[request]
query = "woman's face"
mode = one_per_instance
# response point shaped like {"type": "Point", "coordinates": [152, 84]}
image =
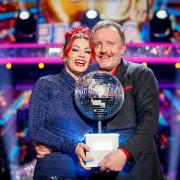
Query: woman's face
{"type": "Point", "coordinates": [78, 58]}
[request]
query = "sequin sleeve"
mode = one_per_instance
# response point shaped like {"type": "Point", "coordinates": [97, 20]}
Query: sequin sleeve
{"type": "Point", "coordinates": [38, 108]}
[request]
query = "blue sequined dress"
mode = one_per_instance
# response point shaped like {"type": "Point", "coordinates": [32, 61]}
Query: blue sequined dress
{"type": "Point", "coordinates": [54, 121]}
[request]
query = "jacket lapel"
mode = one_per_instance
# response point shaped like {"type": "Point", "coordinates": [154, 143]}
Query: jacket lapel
{"type": "Point", "coordinates": [121, 71]}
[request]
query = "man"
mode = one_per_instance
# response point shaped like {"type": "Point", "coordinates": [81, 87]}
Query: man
{"type": "Point", "coordinates": [137, 119]}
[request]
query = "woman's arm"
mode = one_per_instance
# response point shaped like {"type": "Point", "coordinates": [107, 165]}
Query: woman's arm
{"type": "Point", "coordinates": [38, 109]}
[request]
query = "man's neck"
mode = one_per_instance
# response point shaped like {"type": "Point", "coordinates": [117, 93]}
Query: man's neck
{"type": "Point", "coordinates": [113, 70]}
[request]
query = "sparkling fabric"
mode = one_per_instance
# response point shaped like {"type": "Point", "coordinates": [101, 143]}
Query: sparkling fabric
{"type": "Point", "coordinates": [55, 122]}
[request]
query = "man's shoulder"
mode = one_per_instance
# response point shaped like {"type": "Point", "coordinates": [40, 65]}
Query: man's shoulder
{"type": "Point", "coordinates": [140, 72]}
{"type": "Point", "coordinates": [136, 68]}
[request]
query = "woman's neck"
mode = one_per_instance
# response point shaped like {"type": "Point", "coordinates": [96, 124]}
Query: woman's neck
{"type": "Point", "coordinates": [76, 76]}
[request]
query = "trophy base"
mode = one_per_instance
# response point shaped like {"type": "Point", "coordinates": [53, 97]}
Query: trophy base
{"type": "Point", "coordinates": [100, 145]}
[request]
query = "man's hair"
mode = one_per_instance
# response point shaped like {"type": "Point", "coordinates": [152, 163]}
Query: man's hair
{"type": "Point", "coordinates": [106, 24]}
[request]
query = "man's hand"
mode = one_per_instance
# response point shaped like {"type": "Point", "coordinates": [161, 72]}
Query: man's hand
{"type": "Point", "coordinates": [42, 150]}
{"type": "Point", "coordinates": [80, 151]}
{"type": "Point", "coordinates": [114, 161]}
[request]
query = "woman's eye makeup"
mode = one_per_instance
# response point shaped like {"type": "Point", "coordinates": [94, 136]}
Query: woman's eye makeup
{"type": "Point", "coordinates": [75, 49]}
{"type": "Point", "coordinates": [88, 52]}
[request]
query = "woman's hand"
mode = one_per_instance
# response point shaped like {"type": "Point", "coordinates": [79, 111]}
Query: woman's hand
{"type": "Point", "coordinates": [80, 151]}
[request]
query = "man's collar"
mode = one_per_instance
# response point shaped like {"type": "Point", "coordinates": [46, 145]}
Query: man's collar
{"type": "Point", "coordinates": [121, 70]}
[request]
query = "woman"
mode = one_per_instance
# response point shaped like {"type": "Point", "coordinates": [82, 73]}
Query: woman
{"type": "Point", "coordinates": [54, 119]}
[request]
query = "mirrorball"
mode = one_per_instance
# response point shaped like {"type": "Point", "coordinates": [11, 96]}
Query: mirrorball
{"type": "Point", "coordinates": [99, 95]}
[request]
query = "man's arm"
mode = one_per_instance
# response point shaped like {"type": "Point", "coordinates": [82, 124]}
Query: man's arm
{"type": "Point", "coordinates": [42, 150]}
{"type": "Point", "coordinates": [147, 105]}
{"type": "Point", "coordinates": [146, 96]}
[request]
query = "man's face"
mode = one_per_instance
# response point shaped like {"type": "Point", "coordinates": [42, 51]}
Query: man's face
{"type": "Point", "coordinates": [108, 47]}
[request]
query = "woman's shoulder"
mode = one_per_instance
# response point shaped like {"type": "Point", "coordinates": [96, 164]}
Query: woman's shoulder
{"type": "Point", "coordinates": [47, 78]}
{"type": "Point", "coordinates": [46, 81]}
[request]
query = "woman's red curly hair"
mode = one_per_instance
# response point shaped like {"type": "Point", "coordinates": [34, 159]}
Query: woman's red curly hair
{"type": "Point", "coordinates": [75, 33]}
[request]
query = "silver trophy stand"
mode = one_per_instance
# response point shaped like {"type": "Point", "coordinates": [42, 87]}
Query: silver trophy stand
{"type": "Point", "coordinates": [99, 96]}
{"type": "Point", "coordinates": [101, 145]}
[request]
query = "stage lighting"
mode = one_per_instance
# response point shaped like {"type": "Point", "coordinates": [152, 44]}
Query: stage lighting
{"type": "Point", "coordinates": [8, 66]}
{"type": "Point", "coordinates": [161, 14]}
{"type": "Point", "coordinates": [24, 15]}
{"type": "Point", "coordinates": [25, 27]}
{"type": "Point", "coordinates": [41, 65]}
{"type": "Point", "coordinates": [90, 18]}
{"type": "Point", "coordinates": [91, 14]}
{"type": "Point", "coordinates": [160, 25]}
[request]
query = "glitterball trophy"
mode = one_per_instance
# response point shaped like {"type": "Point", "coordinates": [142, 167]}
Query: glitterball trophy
{"type": "Point", "coordinates": [99, 96]}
